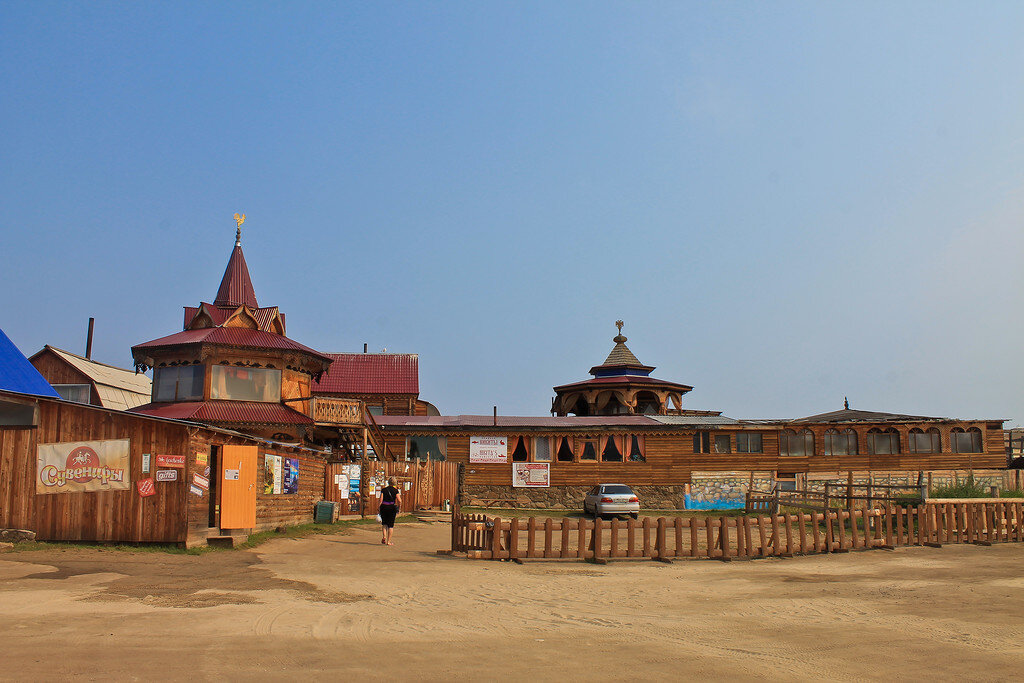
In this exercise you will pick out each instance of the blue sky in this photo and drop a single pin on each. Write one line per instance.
(787, 203)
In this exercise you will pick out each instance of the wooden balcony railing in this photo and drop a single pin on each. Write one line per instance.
(336, 411)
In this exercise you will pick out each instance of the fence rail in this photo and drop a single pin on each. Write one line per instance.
(728, 538)
(846, 496)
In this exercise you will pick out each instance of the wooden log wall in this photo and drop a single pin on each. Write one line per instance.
(430, 483)
(56, 370)
(670, 457)
(96, 516)
(747, 537)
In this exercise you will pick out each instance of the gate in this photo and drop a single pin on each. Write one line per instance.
(424, 485)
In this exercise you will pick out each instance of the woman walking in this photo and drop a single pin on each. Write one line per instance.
(390, 502)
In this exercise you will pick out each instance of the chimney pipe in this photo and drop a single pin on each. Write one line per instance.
(88, 340)
(495, 416)
(364, 347)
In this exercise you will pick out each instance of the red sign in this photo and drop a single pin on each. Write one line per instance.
(146, 487)
(170, 461)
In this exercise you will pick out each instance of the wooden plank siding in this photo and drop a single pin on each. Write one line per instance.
(670, 456)
(172, 515)
(56, 370)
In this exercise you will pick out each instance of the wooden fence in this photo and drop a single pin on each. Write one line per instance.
(728, 538)
(832, 495)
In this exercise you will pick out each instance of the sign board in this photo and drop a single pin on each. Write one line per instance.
(196, 490)
(531, 474)
(170, 461)
(202, 458)
(201, 481)
(230, 475)
(290, 474)
(80, 466)
(146, 487)
(167, 475)
(488, 449)
(145, 463)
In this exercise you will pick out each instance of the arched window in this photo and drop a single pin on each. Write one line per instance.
(921, 441)
(796, 443)
(840, 443)
(965, 440)
(520, 452)
(883, 441)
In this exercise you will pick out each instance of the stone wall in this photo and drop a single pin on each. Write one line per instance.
(816, 481)
(724, 490)
(569, 497)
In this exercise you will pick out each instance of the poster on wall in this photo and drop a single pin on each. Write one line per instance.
(81, 466)
(291, 476)
(531, 474)
(268, 473)
(483, 449)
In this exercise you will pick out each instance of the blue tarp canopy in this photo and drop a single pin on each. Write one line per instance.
(17, 374)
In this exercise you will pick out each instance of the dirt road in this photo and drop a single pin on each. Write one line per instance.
(332, 606)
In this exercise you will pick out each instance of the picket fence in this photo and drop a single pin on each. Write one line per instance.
(745, 537)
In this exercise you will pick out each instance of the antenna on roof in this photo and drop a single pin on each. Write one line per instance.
(846, 403)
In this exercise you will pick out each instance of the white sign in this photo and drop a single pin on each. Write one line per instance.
(167, 475)
(230, 475)
(531, 474)
(145, 463)
(196, 491)
(79, 466)
(488, 449)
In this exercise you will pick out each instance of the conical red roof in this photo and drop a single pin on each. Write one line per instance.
(236, 287)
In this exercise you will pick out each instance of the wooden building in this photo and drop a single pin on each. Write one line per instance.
(77, 472)
(387, 383)
(81, 379)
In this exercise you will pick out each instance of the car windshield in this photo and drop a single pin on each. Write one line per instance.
(617, 488)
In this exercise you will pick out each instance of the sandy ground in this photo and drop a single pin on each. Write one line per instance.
(330, 606)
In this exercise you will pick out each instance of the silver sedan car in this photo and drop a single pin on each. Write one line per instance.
(611, 499)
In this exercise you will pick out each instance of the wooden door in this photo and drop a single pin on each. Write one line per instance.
(238, 487)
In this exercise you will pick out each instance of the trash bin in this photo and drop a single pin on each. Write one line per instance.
(324, 513)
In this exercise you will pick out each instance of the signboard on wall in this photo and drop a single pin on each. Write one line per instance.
(531, 474)
(170, 461)
(272, 465)
(290, 473)
(484, 449)
(81, 466)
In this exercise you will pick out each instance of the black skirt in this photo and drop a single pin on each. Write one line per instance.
(388, 514)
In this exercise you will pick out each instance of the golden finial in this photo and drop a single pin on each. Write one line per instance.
(239, 219)
(619, 339)
(619, 324)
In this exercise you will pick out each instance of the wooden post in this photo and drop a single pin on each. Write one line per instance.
(614, 550)
(496, 539)
(841, 515)
(709, 533)
(888, 526)
(531, 536)
(678, 524)
(762, 532)
(694, 539)
(816, 531)
(723, 537)
(801, 520)
(596, 540)
(645, 529)
(659, 539)
(581, 539)
(563, 550)
(363, 488)
(513, 538)
(849, 489)
(775, 535)
(631, 525)
(549, 525)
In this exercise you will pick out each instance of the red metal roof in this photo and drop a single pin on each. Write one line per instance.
(510, 421)
(371, 373)
(625, 379)
(227, 412)
(231, 336)
(219, 314)
(236, 286)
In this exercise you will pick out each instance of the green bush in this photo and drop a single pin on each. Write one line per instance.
(1012, 493)
(968, 488)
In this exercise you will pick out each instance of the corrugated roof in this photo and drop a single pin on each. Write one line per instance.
(624, 379)
(850, 415)
(231, 336)
(18, 375)
(371, 373)
(236, 286)
(118, 388)
(697, 420)
(219, 314)
(511, 421)
(226, 412)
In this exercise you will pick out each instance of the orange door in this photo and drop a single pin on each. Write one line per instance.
(238, 487)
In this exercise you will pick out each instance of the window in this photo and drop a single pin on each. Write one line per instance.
(722, 443)
(565, 452)
(79, 393)
(749, 442)
(702, 442)
(796, 444)
(245, 384)
(519, 451)
(965, 441)
(924, 441)
(616, 488)
(785, 481)
(883, 441)
(611, 452)
(180, 383)
(587, 448)
(840, 442)
(541, 449)
(426, 448)
(636, 449)
(375, 410)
